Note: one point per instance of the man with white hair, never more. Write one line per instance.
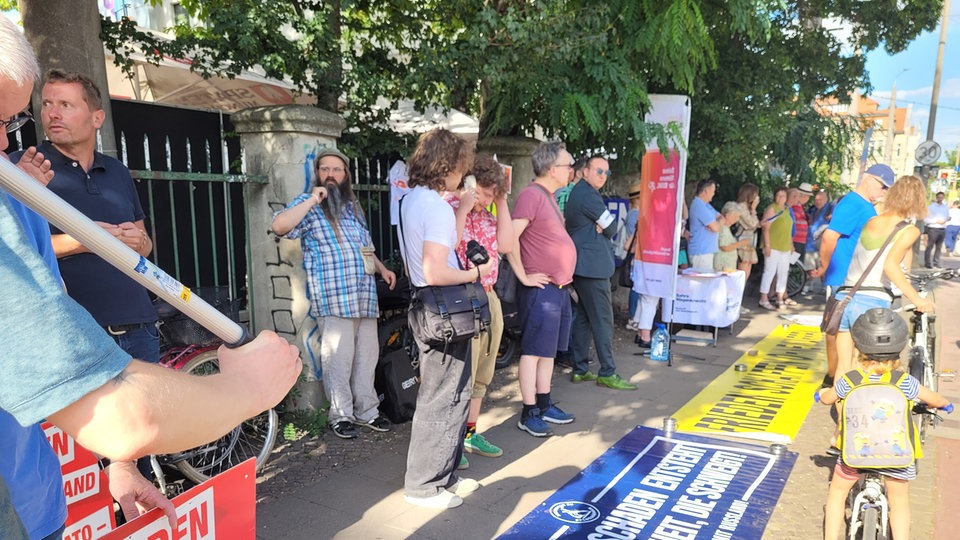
(57, 363)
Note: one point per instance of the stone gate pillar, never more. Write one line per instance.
(277, 142)
(514, 151)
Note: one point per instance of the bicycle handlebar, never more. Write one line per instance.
(933, 276)
(917, 408)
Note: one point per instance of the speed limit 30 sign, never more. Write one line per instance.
(928, 153)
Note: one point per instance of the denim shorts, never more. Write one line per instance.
(859, 304)
(545, 317)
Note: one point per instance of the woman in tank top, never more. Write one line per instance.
(905, 200)
(777, 224)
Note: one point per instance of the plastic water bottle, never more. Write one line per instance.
(660, 344)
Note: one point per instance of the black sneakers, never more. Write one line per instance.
(379, 423)
(344, 429)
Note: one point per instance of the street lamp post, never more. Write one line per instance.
(935, 98)
(892, 121)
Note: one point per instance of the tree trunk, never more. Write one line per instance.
(66, 35)
(328, 91)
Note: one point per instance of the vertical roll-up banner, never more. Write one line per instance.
(662, 179)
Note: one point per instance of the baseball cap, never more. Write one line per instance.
(883, 172)
(806, 188)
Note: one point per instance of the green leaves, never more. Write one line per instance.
(579, 70)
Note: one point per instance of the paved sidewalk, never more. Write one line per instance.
(362, 497)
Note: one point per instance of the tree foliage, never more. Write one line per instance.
(755, 112)
(579, 70)
(576, 69)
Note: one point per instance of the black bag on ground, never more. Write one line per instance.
(449, 314)
(397, 381)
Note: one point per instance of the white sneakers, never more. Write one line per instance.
(464, 486)
(441, 500)
(448, 498)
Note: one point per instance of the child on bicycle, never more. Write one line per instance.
(879, 336)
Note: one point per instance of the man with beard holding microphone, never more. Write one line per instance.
(341, 288)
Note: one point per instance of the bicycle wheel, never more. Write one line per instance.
(508, 349)
(796, 279)
(919, 368)
(254, 438)
(931, 379)
(871, 523)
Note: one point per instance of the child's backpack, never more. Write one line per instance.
(876, 430)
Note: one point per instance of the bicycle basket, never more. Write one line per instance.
(180, 330)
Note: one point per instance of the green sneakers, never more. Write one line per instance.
(585, 376)
(614, 381)
(476, 444)
(464, 464)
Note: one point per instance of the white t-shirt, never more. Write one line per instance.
(426, 218)
(954, 217)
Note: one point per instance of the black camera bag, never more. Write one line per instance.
(449, 314)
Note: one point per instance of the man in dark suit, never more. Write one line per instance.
(592, 226)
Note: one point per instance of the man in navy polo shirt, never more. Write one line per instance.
(101, 188)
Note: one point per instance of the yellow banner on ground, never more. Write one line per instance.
(769, 396)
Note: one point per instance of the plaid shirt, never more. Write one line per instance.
(336, 283)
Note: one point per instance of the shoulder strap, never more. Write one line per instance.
(553, 203)
(896, 377)
(854, 378)
(876, 257)
(402, 234)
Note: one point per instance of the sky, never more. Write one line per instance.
(915, 85)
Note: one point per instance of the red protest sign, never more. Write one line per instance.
(89, 504)
(223, 507)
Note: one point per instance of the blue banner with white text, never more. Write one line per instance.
(651, 486)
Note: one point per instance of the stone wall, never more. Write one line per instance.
(279, 143)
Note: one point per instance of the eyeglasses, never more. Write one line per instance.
(334, 170)
(602, 172)
(563, 165)
(17, 121)
(883, 186)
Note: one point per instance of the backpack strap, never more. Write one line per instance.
(854, 378)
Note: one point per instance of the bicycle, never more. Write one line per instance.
(869, 511)
(867, 501)
(796, 278)
(924, 347)
(190, 348)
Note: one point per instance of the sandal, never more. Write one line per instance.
(790, 302)
(765, 304)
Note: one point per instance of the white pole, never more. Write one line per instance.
(71, 221)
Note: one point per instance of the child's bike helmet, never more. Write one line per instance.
(880, 334)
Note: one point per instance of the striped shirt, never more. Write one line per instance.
(336, 283)
(909, 385)
(800, 225)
